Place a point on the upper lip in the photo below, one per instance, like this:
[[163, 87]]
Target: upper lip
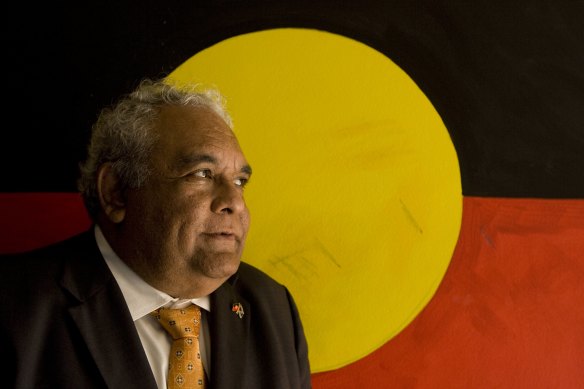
[[220, 232]]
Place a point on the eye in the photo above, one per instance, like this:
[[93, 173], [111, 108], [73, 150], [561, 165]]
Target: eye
[[203, 173], [241, 181]]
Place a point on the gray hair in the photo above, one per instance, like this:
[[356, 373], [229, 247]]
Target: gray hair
[[123, 134]]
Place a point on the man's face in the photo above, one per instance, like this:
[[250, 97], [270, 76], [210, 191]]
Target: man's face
[[191, 213]]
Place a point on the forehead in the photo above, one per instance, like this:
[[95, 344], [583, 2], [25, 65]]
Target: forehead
[[199, 121], [185, 130]]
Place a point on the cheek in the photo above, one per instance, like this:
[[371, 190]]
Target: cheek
[[187, 205], [181, 217], [245, 220]]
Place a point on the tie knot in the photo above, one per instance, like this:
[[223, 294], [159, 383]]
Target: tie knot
[[180, 323]]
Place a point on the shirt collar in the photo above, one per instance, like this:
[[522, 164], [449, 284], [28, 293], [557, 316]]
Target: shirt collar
[[140, 296]]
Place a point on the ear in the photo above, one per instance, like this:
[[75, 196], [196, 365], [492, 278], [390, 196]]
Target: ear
[[110, 193]]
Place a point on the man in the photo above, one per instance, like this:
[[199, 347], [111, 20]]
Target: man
[[163, 182]]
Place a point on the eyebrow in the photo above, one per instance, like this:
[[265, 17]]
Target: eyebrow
[[198, 158]]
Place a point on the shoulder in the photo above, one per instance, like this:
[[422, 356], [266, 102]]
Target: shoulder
[[44, 261], [250, 276], [262, 290]]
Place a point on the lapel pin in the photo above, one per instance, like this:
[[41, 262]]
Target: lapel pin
[[237, 308]]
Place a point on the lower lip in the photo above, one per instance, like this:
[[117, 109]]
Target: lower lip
[[221, 236]]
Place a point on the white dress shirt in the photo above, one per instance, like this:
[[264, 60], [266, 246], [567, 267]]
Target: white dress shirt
[[142, 299]]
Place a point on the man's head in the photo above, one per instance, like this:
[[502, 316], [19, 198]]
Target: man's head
[[164, 180]]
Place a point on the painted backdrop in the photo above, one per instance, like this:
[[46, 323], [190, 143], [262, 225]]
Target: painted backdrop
[[507, 81]]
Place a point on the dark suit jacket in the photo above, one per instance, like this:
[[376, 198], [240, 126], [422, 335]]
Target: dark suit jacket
[[64, 324]]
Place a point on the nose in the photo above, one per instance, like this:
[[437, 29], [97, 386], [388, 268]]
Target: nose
[[228, 198]]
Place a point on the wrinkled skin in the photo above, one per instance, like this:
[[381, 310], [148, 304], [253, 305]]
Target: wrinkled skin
[[184, 231]]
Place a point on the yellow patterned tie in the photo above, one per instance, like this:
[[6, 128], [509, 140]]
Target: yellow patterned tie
[[185, 368]]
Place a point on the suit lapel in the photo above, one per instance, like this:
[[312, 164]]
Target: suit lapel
[[104, 320], [229, 337]]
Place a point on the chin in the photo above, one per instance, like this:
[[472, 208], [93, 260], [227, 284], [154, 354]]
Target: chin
[[221, 267]]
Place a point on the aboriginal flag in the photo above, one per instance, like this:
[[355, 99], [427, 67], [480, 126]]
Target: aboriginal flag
[[507, 79]]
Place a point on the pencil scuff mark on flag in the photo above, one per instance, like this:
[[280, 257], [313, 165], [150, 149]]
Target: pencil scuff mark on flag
[[308, 262], [327, 253], [410, 217], [486, 237]]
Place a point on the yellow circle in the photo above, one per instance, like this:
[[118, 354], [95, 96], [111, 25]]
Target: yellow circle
[[355, 198]]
